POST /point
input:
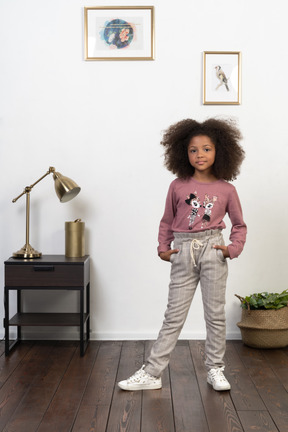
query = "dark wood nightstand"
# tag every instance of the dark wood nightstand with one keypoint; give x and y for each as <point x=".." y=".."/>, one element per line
<point x="50" y="272"/>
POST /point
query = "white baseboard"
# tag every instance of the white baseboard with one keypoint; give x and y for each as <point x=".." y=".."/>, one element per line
<point x="72" y="334"/>
<point x="153" y="336"/>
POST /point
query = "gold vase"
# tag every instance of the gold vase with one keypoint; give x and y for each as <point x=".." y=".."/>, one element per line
<point x="75" y="239"/>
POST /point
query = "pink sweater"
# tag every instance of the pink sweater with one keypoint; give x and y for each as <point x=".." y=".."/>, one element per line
<point x="192" y="207"/>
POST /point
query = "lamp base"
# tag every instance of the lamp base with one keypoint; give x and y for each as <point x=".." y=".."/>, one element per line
<point x="27" y="251"/>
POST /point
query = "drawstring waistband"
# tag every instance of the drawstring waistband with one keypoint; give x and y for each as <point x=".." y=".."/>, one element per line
<point x="197" y="240"/>
<point x="195" y="245"/>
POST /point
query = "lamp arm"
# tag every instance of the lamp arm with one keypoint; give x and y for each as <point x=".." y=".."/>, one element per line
<point x="29" y="188"/>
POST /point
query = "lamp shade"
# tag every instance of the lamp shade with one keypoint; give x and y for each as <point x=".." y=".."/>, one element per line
<point x="66" y="189"/>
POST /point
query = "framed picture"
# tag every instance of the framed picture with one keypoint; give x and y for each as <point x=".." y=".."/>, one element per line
<point x="221" y="78"/>
<point x="119" y="33"/>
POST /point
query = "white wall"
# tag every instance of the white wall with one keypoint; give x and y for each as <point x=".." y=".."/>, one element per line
<point x="101" y="123"/>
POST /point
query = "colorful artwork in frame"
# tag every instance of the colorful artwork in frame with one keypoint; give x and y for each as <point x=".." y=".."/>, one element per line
<point x="119" y="33"/>
<point x="221" y="78"/>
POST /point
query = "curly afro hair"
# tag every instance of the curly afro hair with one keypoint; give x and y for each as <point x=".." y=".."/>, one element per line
<point x="223" y="133"/>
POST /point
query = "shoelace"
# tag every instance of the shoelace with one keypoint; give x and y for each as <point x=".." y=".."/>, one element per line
<point x="195" y="245"/>
<point x="218" y="374"/>
<point x="138" y="375"/>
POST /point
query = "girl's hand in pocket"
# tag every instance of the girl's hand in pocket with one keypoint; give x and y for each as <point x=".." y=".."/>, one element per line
<point x="165" y="256"/>
<point x="224" y="249"/>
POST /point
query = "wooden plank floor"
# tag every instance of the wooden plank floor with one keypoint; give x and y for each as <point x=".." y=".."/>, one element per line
<point x="47" y="386"/>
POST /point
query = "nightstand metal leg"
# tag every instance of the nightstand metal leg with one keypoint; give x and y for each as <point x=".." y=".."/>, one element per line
<point x="6" y="319"/>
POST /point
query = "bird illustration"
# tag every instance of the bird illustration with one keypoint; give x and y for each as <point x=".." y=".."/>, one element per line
<point x="222" y="77"/>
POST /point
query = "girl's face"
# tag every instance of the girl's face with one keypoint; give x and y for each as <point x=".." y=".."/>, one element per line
<point x="201" y="154"/>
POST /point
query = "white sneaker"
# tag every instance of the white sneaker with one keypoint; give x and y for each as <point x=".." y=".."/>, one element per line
<point x="141" y="380"/>
<point x="217" y="379"/>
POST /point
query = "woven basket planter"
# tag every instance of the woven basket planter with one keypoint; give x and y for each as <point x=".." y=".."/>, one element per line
<point x="264" y="328"/>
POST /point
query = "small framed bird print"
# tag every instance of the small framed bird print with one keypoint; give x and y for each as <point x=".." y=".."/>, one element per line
<point x="222" y="78"/>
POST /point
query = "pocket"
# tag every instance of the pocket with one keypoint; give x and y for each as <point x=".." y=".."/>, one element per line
<point x="220" y="255"/>
<point x="174" y="256"/>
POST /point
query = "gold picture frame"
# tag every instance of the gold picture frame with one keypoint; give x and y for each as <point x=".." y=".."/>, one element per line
<point x="119" y="33"/>
<point x="222" y="78"/>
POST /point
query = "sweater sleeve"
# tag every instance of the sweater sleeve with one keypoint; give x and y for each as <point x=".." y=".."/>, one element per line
<point x="166" y="236"/>
<point x="239" y="228"/>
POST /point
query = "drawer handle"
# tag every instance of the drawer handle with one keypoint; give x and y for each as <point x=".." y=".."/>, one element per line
<point x="43" y="268"/>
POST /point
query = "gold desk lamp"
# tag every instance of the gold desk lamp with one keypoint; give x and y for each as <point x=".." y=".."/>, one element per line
<point x="66" y="189"/>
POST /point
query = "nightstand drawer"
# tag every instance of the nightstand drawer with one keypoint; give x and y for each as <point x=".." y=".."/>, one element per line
<point x="41" y="275"/>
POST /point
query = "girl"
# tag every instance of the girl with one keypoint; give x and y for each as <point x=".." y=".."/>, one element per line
<point x="204" y="157"/>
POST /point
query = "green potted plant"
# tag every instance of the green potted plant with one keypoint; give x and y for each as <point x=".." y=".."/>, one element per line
<point x="264" y="321"/>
